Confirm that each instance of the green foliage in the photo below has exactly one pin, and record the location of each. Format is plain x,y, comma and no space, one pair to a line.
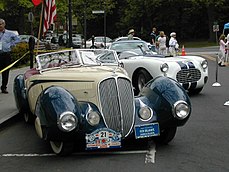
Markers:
191,19
18,51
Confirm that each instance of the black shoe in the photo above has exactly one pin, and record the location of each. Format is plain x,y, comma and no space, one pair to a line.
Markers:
219,63
222,65
5,91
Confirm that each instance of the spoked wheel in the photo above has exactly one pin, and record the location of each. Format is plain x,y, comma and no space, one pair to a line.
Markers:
142,78
62,148
167,135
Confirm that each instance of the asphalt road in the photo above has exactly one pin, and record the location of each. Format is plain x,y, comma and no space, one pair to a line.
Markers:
200,146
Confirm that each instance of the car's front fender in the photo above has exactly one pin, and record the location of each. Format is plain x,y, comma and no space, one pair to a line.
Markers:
52,102
163,93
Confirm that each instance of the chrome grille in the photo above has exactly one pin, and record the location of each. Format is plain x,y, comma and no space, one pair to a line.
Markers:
116,96
188,75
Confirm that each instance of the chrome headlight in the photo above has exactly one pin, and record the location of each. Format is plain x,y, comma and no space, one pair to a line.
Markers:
145,113
93,118
67,121
204,64
181,109
164,67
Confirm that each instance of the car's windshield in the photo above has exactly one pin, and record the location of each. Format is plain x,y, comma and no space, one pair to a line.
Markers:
124,46
76,39
98,56
76,57
56,59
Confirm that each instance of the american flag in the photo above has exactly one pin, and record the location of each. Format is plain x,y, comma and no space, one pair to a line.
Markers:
49,14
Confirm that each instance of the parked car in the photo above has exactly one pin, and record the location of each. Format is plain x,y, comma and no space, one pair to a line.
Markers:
83,97
142,65
77,42
48,40
98,42
124,38
25,38
139,47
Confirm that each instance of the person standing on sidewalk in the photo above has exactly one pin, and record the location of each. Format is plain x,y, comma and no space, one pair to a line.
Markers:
8,39
162,43
153,36
131,34
222,50
173,44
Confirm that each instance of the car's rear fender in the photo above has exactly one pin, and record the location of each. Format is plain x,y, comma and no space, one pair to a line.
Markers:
20,94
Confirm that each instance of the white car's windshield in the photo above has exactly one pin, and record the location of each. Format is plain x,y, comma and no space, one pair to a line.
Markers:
124,46
98,56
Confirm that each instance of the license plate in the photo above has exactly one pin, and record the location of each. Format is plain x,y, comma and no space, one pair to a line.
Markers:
103,138
150,130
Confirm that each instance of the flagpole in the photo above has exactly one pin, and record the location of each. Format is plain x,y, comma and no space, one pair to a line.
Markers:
39,33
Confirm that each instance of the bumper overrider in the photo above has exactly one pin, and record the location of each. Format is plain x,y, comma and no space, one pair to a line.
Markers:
162,104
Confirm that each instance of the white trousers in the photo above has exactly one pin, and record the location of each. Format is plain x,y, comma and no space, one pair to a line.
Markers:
221,57
172,51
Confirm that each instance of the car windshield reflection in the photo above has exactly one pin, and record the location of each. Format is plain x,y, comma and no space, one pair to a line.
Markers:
76,57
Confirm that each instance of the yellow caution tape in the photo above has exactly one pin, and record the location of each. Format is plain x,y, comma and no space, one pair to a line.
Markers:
11,65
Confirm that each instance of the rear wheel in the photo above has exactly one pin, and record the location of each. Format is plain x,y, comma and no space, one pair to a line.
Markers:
29,117
142,78
62,148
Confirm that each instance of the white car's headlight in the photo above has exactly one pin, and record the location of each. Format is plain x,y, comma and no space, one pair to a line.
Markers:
67,121
164,67
145,113
181,109
204,64
93,118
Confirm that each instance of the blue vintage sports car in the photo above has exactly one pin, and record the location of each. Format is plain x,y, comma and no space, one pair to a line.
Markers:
81,96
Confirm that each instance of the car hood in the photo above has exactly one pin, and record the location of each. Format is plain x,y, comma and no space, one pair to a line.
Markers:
171,59
81,73
81,82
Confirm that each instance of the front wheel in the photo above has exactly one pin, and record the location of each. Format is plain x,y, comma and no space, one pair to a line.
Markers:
142,78
167,135
195,91
62,148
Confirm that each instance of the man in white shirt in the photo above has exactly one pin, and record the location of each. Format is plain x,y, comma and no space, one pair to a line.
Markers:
173,44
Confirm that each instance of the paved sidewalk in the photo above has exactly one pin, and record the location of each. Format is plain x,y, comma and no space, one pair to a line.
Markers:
8,107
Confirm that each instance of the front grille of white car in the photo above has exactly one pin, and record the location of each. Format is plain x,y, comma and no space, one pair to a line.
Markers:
117,102
188,75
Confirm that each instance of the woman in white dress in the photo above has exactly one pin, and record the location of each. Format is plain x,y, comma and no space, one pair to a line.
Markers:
162,44
222,50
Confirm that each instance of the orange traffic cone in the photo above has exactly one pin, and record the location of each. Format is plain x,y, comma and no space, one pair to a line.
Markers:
183,53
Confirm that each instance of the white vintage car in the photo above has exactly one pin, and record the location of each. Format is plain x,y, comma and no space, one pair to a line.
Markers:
142,65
